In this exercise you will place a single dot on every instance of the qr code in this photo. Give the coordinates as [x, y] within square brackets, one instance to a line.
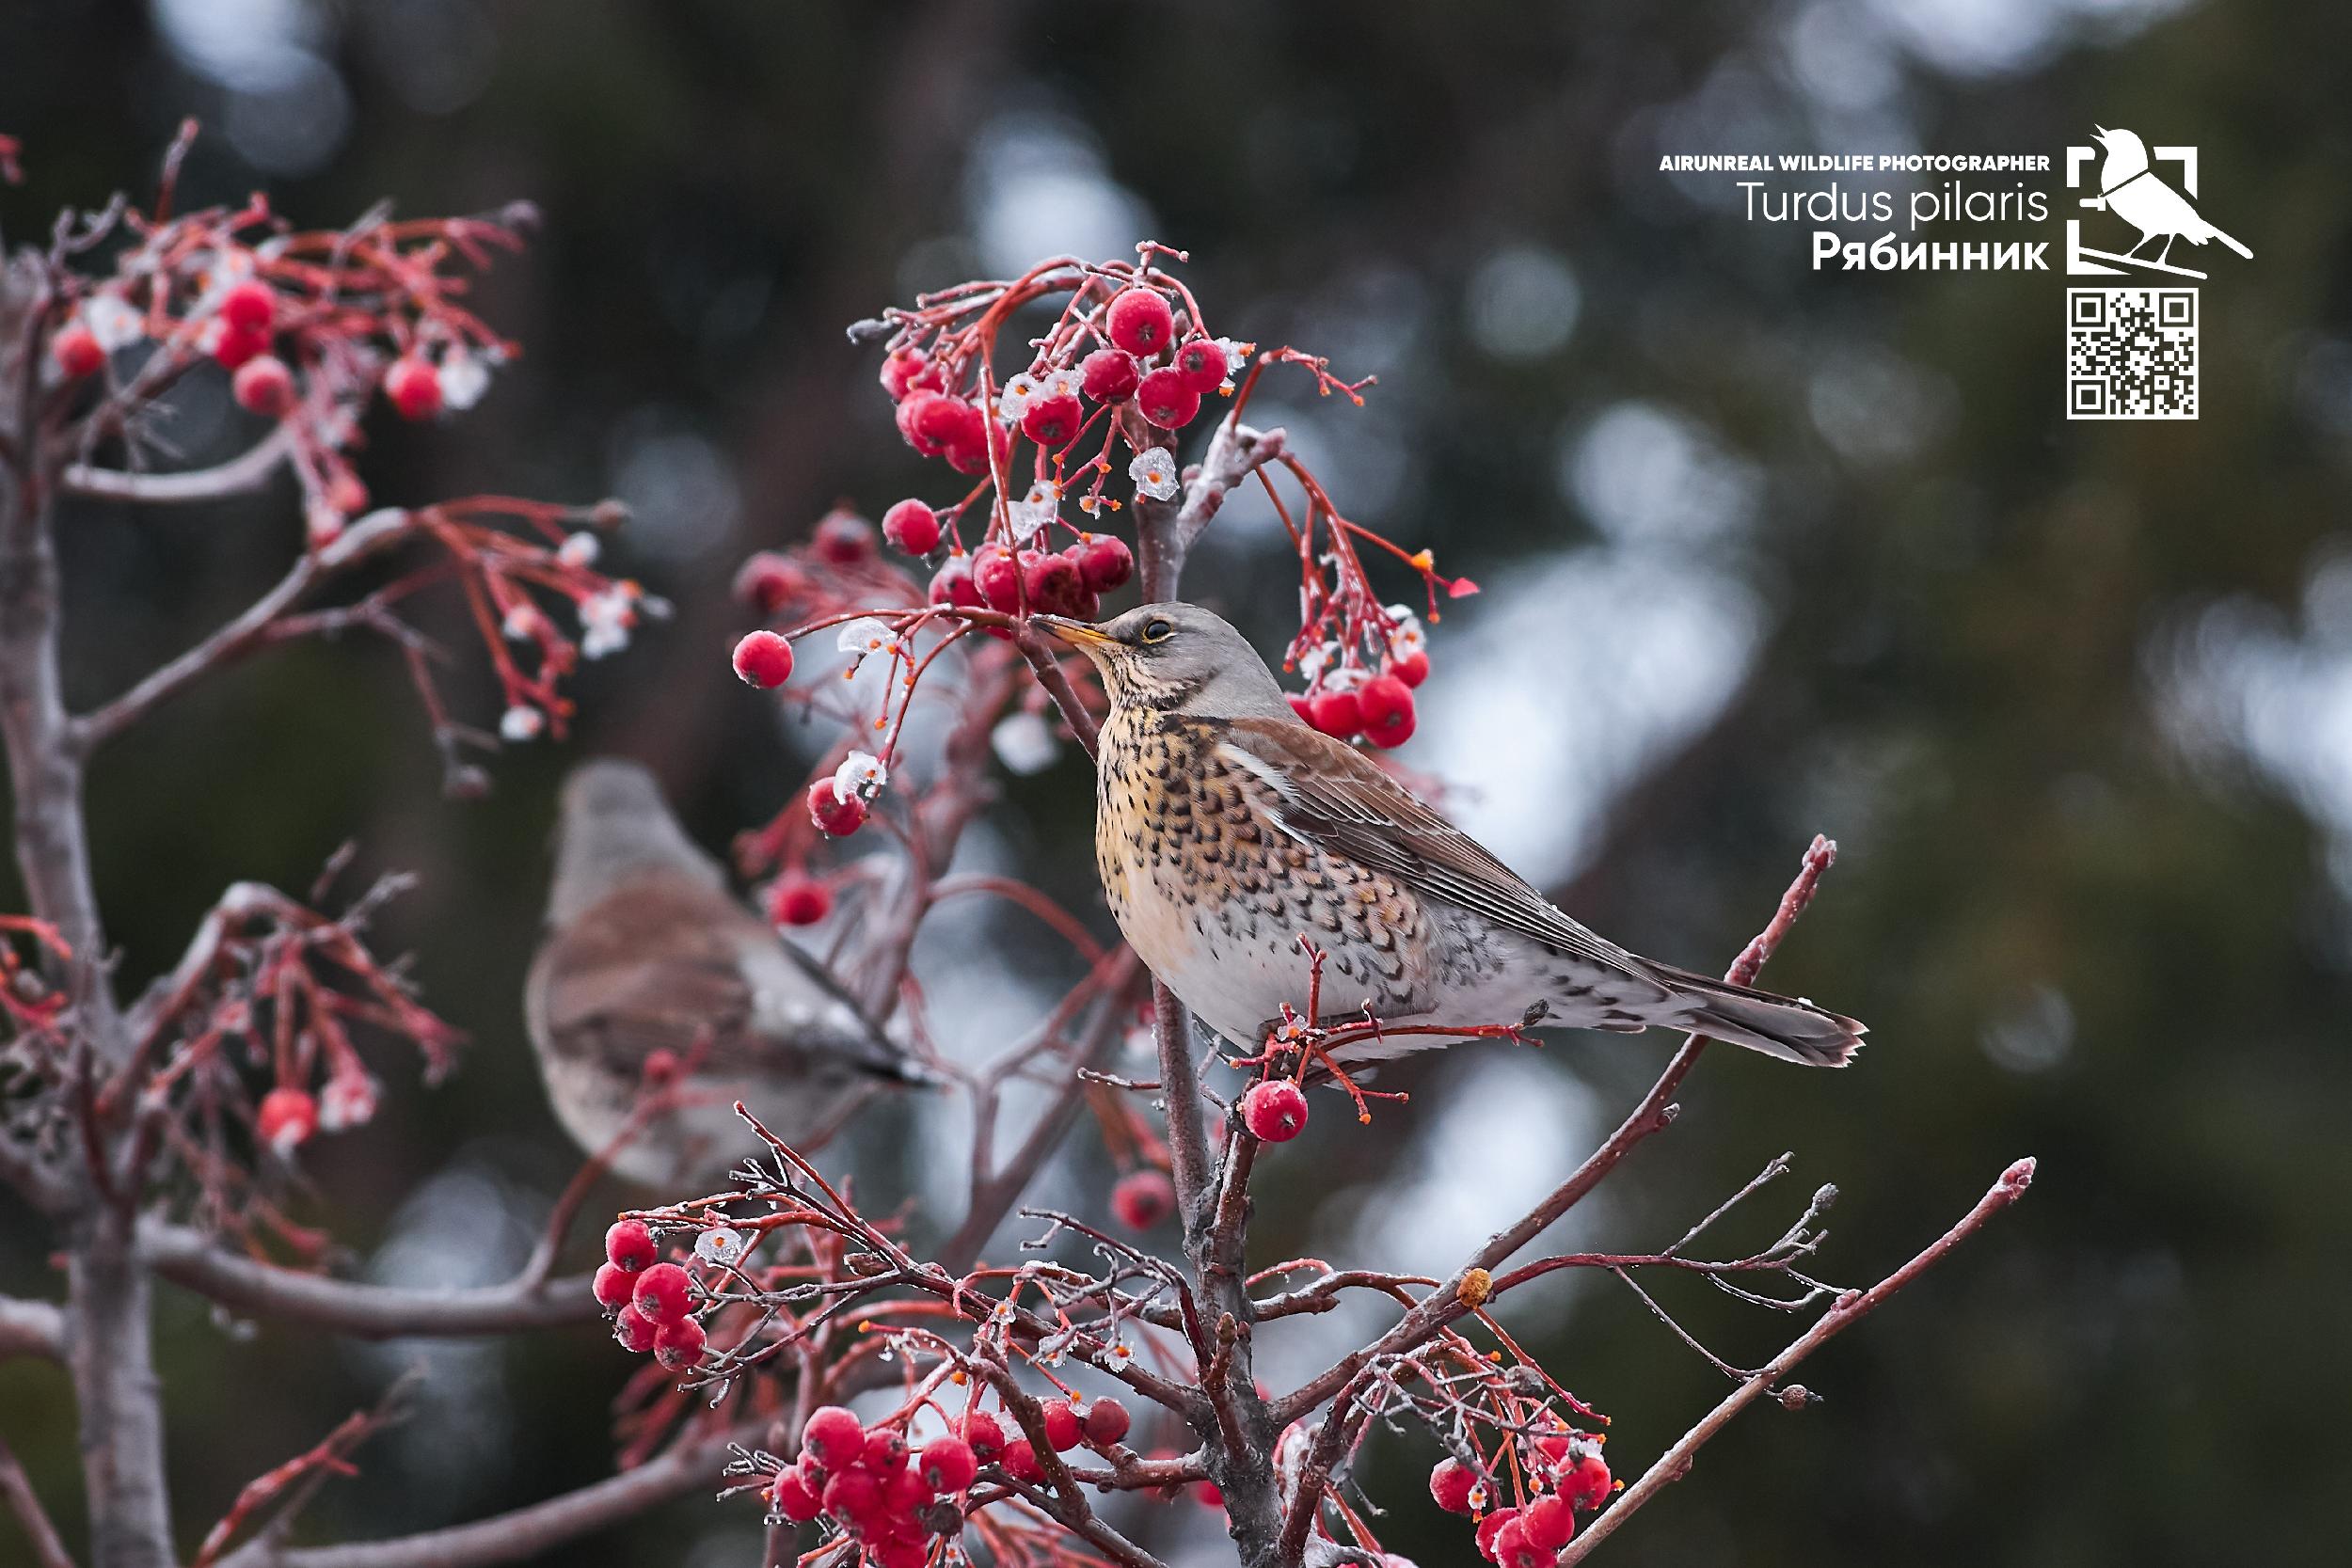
[2131, 353]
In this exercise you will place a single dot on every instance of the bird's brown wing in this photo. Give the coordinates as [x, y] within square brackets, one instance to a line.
[1334, 798]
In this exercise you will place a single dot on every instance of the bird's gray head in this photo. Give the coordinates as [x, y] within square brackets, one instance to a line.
[2127, 153]
[1177, 658]
[612, 820]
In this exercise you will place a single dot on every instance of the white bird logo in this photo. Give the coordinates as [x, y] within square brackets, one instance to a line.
[2130, 187]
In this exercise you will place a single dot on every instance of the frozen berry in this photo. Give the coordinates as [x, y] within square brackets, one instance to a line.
[251, 307]
[834, 1435]
[944, 422]
[982, 1432]
[1140, 321]
[799, 899]
[1548, 1522]
[1106, 563]
[767, 581]
[663, 1292]
[952, 584]
[1450, 1485]
[1019, 1461]
[844, 538]
[911, 525]
[898, 1551]
[233, 348]
[1110, 375]
[1586, 1485]
[1274, 1111]
[613, 1287]
[1511, 1548]
[763, 660]
[77, 352]
[907, 369]
[264, 385]
[885, 1451]
[1052, 423]
[1166, 401]
[1386, 704]
[414, 386]
[948, 1464]
[1106, 1423]
[1201, 363]
[997, 575]
[1337, 714]
[1064, 1429]
[634, 1330]
[793, 1497]
[1301, 706]
[1143, 1198]
[1412, 669]
[1055, 583]
[839, 815]
[1491, 1526]
[286, 1119]
[678, 1344]
[854, 1498]
[628, 1246]
[970, 455]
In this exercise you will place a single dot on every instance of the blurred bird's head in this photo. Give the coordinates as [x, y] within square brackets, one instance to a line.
[611, 820]
[1177, 658]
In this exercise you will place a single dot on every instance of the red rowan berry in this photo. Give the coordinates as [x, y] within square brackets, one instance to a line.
[898, 1551]
[1106, 1423]
[793, 1498]
[1062, 1428]
[767, 581]
[1491, 1526]
[834, 1435]
[77, 352]
[914, 410]
[1301, 706]
[844, 538]
[885, 1451]
[1511, 1548]
[634, 1330]
[1553, 1453]
[233, 348]
[904, 1490]
[414, 386]
[1055, 583]
[1166, 401]
[1412, 669]
[1209, 1493]
[854, 1498]
[970, 456]
[1387, 706]
[839, 815]
[1548, 1522]
[911, 525]
[345, 494]
[1110, 375]
[997, 575]
[663, 1292]
[1450, 1485]
[1202, 362]
[1143, 1198]
[1586, 1485]
[678, 1344]
[286, 1119]
[799, 899]
[264, 385]
[1139, 321]
[1107, 562]
[251, 307]
[907, 369]
[1052, 423]
[1019, 1460]
[763, 660]
[628, 1246]
[661, 1068]
[947, 1464]
[613, 1287]
[946, 422]
[982, 1432]
[952, 584]
[1337, 714]
[1274, 1111]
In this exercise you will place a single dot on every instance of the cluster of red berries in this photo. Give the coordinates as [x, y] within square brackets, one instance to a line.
[652, 1302]
[1574, 1478]
[1069, 581]
[1379, 709]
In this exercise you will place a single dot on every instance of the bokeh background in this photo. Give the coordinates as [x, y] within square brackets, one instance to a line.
[1766, 551]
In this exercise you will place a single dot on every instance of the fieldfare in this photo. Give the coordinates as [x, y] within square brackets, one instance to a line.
[647, 952]
[1226, 830]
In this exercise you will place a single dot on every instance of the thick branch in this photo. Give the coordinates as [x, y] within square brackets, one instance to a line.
[247, 472]
[1851, 1308]
[189, 1259]
[31, 1328]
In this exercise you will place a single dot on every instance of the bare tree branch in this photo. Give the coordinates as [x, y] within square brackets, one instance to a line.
[16, 1488]
[248, 471]
[31, 1328]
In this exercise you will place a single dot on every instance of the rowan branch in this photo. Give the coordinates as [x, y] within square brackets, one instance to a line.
[33, 1328]
[245, 473]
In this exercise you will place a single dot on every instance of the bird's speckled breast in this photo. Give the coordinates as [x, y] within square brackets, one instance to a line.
[1214, 895]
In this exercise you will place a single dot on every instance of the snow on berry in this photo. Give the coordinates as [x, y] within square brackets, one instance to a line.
[1154, 473]
[1110, 375]
[634, 1330]
[837, 814]
[913, 527]
[579, 550]
[1274, 1111]
[1143, 1198]
[628, 1246]
[519, 723]
[834, 1435]
[1450, 1485]
[799, 899]
[1166, 400]
[763, 660]
[412, 383]
[860, 775]
[678, 1345]
[1586, 1485]
[1548, 1522]
[947, 1464]
[1139, 321]
[663, 1293]
[1052, 423]
[864, 637]
[286, 1119]
[1491, 1526]
[77, 352]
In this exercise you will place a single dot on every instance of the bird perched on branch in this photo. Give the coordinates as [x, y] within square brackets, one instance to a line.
[1226, 830]
[647, 952]
[2130, 187]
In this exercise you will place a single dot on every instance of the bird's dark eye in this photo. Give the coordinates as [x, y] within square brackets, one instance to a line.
[1158, 630]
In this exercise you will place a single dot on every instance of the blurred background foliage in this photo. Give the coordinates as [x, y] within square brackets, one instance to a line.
[1766, 550]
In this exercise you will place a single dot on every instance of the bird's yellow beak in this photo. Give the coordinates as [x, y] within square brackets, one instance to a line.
[1081, 635]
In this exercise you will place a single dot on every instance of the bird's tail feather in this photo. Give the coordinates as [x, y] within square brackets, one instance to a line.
[1778, 1026]
[2231, 243]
